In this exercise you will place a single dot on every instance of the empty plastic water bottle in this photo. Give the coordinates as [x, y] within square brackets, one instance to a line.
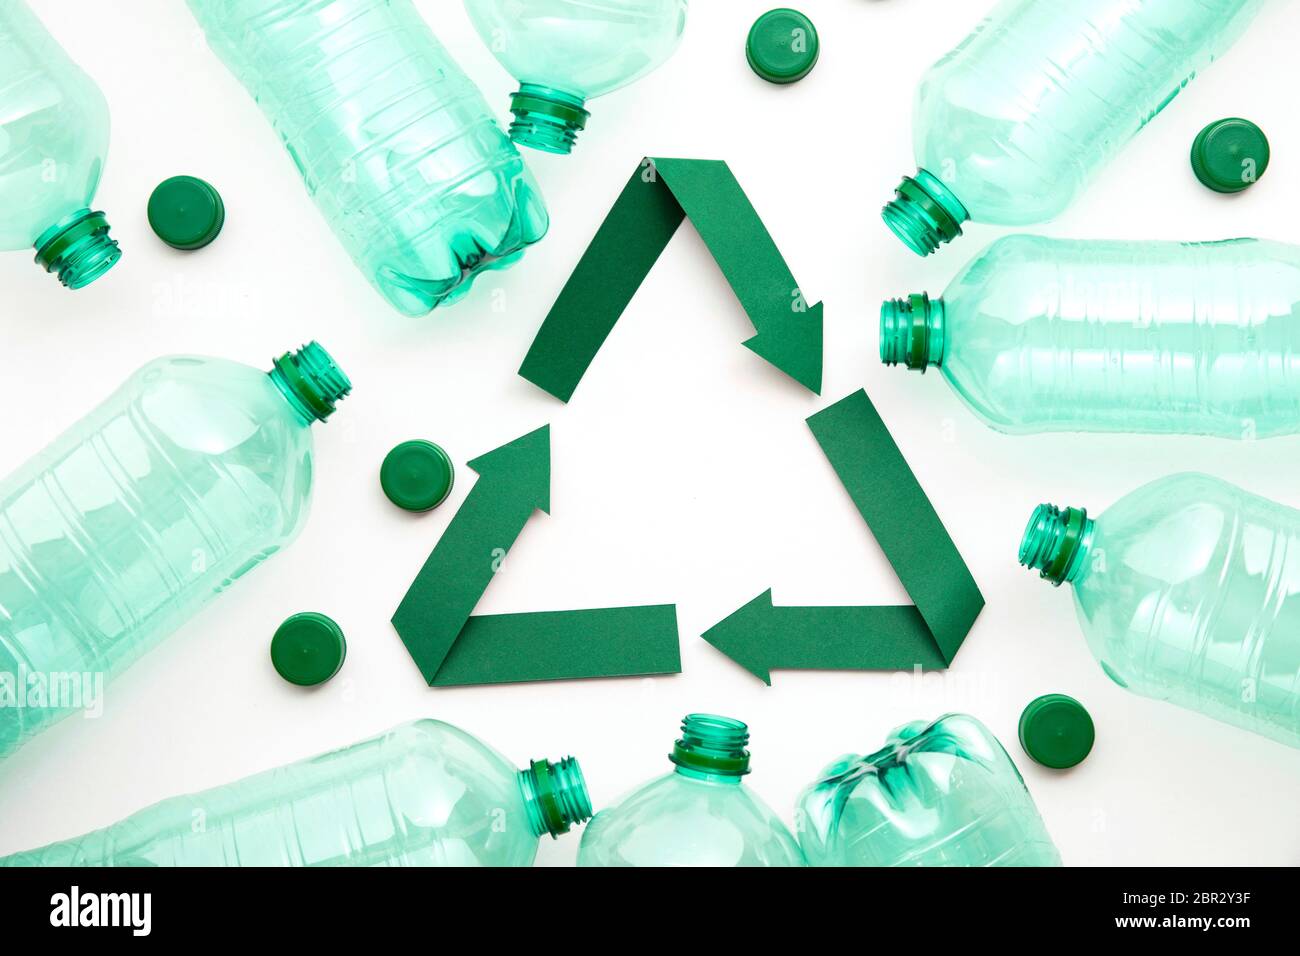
[53, 142]
[566, 52]
[1011, 125]
[1188, 591]
[937, 794]
[422, 794]
[187, 477]
[1057, 335]
[396, 145]
[699, 815]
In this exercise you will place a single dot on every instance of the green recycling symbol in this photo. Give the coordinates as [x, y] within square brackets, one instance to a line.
[435, 619]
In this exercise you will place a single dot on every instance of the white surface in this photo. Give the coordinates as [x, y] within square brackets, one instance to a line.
[683, 471]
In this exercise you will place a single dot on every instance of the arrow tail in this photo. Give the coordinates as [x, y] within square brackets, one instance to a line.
[624, 250]
[564, 645]
[457, 573]
[891, 501]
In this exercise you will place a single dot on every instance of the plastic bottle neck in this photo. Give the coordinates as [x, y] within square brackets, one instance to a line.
[547, 119]
[1056, 543]
[310, 381]
[925, 214]
[913, 331]
[78, 248]
[712, 749]
[555, 796]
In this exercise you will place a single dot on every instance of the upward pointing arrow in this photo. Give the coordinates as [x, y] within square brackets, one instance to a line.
[514, 481]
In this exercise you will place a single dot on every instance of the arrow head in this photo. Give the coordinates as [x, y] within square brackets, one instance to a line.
[747, 635]
[792, 341]
[521, 469]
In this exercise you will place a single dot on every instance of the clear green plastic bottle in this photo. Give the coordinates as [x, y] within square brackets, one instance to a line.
[1059, 335]
[1188, 591]
[566, 52]
[1011, 126]
[937, 794]
[189, 476]
[396, 145]
[699, 815]
[422, 794]
[53, 142]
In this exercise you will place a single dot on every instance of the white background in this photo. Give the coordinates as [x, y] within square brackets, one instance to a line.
[683, 471]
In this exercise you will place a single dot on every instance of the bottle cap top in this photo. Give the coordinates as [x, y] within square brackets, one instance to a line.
[1056, 731]
[308, 649]
[417, 475]
[186, 212]
[783, 46]
[1230, 155]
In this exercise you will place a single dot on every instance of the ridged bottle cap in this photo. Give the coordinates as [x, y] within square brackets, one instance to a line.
[783, 46]
[308, 649]
[1230, 155]
[417, 475]
[1057, 731]
[186, 212]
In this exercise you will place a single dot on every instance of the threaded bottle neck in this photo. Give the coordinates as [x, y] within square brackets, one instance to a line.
[1056, 543]
[555, 796]
[913, 331]
[311, 381]
[547, 119]
[78, 248]
[925, 214]
[712, 747]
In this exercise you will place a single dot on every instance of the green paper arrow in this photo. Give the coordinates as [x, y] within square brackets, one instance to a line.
[514, 481]
[452, 648]
[660, 194]
[761, 637]
[564, 645]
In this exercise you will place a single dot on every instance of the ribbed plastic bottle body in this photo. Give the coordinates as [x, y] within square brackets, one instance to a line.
[683, 820]
[422, 794]
[1162, 337]
[1018, 118]
[396, 145]
[578, 47]
[53, 130]
[938, 794]
[186, 478]
[1190, 593]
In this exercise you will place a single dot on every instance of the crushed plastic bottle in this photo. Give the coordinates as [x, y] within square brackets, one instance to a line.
[397, 147]
[937, 794]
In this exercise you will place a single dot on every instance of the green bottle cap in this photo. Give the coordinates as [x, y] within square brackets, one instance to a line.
[308, 649]
[186, 212]
[783, 46]
[1056, 731]
[1230, 155]
[417, 475]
